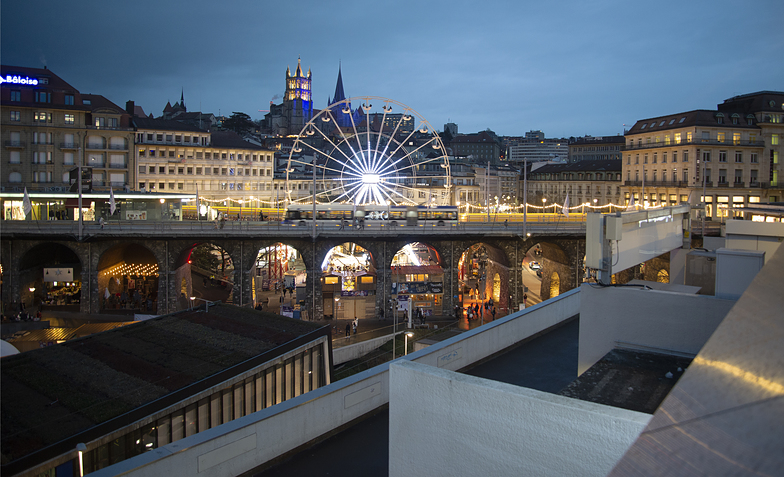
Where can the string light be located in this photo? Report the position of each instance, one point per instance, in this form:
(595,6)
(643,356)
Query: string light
(135,269)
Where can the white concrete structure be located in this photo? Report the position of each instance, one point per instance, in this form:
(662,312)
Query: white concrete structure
(447,423)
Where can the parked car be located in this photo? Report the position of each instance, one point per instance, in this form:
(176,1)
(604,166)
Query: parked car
(534,265)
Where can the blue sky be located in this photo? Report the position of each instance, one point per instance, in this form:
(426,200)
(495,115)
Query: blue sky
(568,68)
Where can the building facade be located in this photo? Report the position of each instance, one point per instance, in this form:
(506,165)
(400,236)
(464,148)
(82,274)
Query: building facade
(49,128)
(536,148)
(220,167)
(481,147)
(596,183)
(732,153)
(596,148)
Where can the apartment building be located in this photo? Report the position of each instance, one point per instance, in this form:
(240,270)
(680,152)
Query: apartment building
(220,166)
(49,128)
(593,182)
(732,153)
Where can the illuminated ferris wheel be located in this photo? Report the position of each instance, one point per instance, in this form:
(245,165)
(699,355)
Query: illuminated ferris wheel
(387,155)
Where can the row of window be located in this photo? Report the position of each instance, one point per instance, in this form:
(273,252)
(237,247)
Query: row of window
(207,155)
(706,156)
(41,117)
(206,186)
(753,176)
(176,138)
(216,171)
(48,176)
(678,138)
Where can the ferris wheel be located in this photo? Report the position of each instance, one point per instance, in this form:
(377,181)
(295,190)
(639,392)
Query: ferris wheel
(387,155)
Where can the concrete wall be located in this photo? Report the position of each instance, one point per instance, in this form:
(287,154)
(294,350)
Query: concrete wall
(248,442)
(645,319)
(762,236)
(446,423)
(347,353)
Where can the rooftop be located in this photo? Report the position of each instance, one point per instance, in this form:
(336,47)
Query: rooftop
(54,393)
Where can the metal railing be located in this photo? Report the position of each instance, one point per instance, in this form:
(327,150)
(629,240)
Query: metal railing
(15,144)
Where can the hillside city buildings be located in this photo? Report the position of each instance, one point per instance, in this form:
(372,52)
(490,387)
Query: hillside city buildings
(49,128)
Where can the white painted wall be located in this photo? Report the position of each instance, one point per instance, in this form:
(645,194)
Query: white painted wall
(762,236)
(446,423)
(645,318)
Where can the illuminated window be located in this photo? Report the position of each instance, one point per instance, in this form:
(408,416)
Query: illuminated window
(15,116)
(736,138)
(330,280)
(774,139)
(677,138)
(720,137)
(69,118)
(366,279)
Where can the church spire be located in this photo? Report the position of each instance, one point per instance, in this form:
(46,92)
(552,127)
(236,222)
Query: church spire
(339,94)
(182,99)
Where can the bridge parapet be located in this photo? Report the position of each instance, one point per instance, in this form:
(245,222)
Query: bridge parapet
(248,229)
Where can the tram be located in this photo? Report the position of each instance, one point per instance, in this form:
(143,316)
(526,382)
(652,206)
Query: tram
(362,215)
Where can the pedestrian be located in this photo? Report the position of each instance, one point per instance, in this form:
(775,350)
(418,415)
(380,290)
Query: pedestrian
(493,312)
(101,222)
(525,300)
(355,324)
(348,331)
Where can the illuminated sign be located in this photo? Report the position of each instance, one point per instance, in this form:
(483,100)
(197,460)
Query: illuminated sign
(19,80)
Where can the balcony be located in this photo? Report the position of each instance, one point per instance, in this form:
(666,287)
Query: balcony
(95,147)
(118,166)
(739,184)
(68,146)
(657,183)
(723,183)
(118,147)
(14,145)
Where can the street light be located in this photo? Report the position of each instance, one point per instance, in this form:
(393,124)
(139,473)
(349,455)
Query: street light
(208,302)
(408,335)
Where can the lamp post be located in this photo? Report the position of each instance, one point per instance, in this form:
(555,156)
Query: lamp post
(408,335)
(525,195)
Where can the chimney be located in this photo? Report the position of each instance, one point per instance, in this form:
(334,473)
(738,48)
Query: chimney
(129,107)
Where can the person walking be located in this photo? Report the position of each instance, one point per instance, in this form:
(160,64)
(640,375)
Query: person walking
(355,324)
(348,331)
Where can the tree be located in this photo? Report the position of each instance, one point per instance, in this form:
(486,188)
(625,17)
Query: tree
(240,123)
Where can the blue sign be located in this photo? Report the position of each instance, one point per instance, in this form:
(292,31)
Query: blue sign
(16,79)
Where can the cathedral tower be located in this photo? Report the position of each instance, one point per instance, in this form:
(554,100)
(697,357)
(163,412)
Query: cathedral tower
(297,101)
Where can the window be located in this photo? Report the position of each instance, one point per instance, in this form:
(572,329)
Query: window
(655,157)
(674,156)
(686,176)
(198,171)
(159,137)
(738,156)
(706,156)
(142,170)
(738,176)
(151,169)
(636,158)
(100,122)
(16,116)
(169,139)
(41,117)
(689,137)
(667,139)
(722,176)
(664,158)
(16,96)
(664,175)
(645,159)
(720,137)
(754,159)
(685,157)
(69,118)
(69,99)
(677,138)
(735,136)
(774,139)
(178,138)
(152,152)
(722,156)
(161,185)
(171,170)
(180,170)
(43,97)
(171,153)
(753,177)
